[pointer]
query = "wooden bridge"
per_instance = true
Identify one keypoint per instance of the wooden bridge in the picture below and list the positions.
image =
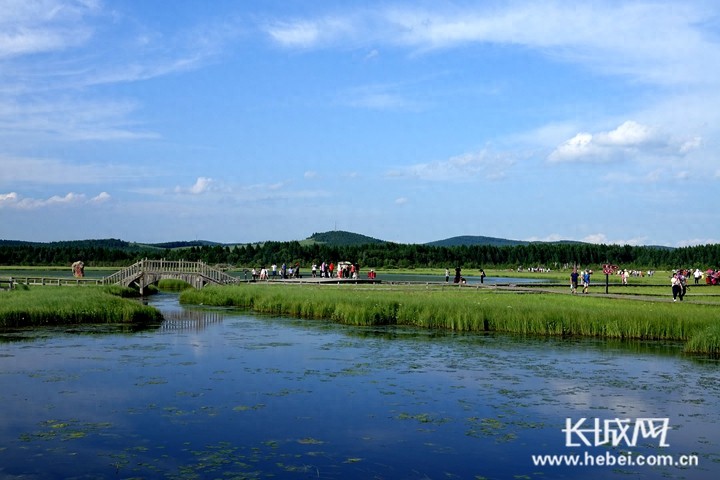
(147, 272)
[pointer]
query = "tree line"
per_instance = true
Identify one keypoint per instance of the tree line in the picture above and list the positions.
(376, 255)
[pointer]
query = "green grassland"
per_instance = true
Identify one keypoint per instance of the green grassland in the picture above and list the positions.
(34, 306)
(524, 311)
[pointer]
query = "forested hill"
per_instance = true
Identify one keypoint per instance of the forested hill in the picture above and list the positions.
(109, 243)
(367, 251)
(470, 240)
(342, 238)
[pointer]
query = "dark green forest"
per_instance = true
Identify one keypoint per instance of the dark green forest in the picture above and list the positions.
(114, 252)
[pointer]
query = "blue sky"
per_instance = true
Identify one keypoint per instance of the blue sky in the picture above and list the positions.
(244, 121)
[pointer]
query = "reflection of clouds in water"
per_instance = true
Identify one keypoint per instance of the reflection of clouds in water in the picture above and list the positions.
(252, 378)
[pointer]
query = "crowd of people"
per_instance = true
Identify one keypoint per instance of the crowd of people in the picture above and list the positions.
(324, 270)
(678, 281)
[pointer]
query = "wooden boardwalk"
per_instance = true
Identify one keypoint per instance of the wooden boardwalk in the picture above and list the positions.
(147, 272)
(12, 282)
(321, 280)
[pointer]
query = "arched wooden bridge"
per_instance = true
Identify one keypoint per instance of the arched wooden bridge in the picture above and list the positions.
(147, 272)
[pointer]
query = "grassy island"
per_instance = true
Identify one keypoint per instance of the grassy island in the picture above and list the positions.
(72, 305)
(484, 309)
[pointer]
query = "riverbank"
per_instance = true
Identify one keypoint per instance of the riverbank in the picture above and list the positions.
(473, 309)
(58, 305)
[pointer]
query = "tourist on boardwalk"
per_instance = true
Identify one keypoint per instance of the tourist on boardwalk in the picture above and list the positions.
(331, 267)
(314, 270)
(676, 287)
(683, 284)
(586, 280)
(482, 276)
(447, 275)
(274, 270)
(574, 281)
(698, 275)
(458, 277)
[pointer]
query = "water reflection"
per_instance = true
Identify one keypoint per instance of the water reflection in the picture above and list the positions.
(195, 320)
(220, 394)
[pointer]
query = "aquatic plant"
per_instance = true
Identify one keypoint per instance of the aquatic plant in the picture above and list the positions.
(470, 309)
(72, 305)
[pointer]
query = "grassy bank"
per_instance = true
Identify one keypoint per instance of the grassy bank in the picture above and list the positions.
(71, 305)
(471, 309)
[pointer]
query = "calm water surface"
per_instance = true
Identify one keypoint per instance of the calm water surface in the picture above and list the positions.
(221, 394)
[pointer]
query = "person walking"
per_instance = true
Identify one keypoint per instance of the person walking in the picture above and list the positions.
(683, 284)
(586, 280)
(676, 287)
(574, 281)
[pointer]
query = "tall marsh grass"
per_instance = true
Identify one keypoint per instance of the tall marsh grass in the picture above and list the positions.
(72, 305)
(468, 309)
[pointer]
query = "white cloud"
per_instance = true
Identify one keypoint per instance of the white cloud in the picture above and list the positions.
(401, 201)
(601, 238)
(201, 185)
(629, 134)
(13, 200)
(310, 33)
(690, 145)
(469, 166)
(629, 139)
(49, 95)
(578, 147)
(613, 38)
(8, 198)
(43, 25)
(102, 197)
(697, 241)
(553, 237)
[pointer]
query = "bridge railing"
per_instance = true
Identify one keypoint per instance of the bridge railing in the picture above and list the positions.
(120, 277)
(169, 266)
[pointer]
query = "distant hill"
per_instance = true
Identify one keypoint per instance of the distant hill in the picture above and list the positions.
(109, 243)
(470, 240)
(194, 243)
(341, 238)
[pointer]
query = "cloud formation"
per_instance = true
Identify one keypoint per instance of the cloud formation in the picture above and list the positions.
(617, 39)
(201, 185)
(484, 165)
(13, 200)
(630, 138)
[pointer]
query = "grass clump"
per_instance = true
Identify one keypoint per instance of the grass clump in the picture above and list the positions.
(173, 285)
(705, 341)
(469, 309)
(72, 305)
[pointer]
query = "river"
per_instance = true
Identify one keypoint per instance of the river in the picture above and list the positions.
(218, 393)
